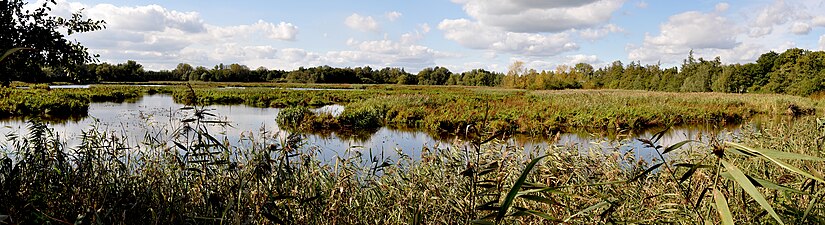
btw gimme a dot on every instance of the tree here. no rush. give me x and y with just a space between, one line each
434 76
41 32
514 73
182 71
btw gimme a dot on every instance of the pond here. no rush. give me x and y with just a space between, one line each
156 114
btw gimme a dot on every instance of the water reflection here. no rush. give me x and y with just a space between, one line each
158 115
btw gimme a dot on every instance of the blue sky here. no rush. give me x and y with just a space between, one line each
459 34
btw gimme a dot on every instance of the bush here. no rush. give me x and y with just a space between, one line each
292 117
362 116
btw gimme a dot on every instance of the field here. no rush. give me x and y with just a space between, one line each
770 174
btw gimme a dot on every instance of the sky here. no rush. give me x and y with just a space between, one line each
459 34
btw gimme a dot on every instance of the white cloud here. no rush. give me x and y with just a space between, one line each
800 28
138 18
822 42
362 23
424 27
160 38
642 4
683 32
381 53
474 35
541 16
776 14
818 21
579 58
392 16
696 30
146 18
598 33
722 6
281 31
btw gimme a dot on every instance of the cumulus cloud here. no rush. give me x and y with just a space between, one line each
598 33
362 23
477 36
696 30
280 31
800 28
822 43
160 38
580 58
392 16
424 27
642 4
722 6
541 16
776 14
404 52
818 21
683 32
147 18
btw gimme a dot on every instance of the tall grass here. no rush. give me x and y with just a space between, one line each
191 176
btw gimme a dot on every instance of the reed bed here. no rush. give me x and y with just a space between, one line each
192 177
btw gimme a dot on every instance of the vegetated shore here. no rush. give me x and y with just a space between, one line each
434 109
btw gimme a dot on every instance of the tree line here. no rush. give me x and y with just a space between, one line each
795 71
132 71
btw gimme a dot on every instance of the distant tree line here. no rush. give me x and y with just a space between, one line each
795 71
131 71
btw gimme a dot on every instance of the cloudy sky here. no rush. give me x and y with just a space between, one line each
457 34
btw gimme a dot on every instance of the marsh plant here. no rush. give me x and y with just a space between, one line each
767 174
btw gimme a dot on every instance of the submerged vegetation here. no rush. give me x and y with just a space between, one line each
189 176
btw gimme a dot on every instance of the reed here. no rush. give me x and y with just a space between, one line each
767 174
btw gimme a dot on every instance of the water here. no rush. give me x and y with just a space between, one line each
159 115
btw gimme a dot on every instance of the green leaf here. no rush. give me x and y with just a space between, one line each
789 155
511 195
536 213
772 158
537 198
722 207
538 190
676 146
748 187
691 171
648 170
766 184
12 51
811 205
588 209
